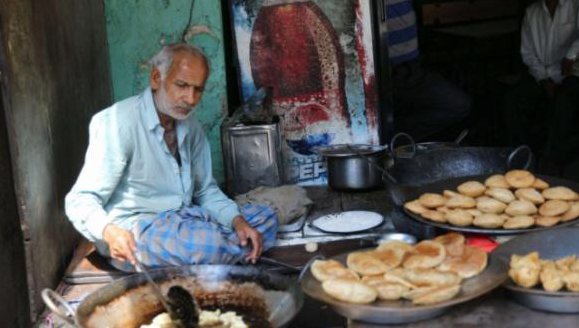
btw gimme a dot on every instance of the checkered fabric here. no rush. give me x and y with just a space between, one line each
190 236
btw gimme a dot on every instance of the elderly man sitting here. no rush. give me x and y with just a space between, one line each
146 189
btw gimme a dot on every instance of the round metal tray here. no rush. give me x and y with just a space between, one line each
402 311
551 244
451 184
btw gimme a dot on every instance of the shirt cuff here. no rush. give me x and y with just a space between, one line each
228 214
96 223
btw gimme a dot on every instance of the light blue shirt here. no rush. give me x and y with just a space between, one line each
129 172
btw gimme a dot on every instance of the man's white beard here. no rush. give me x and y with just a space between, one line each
164 105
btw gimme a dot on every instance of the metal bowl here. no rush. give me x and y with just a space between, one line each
551 244
399 236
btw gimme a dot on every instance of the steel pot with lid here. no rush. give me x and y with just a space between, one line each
354 166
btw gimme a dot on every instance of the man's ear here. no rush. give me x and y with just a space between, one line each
155 79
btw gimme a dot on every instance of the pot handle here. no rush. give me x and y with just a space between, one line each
59 306
514 153
393 144
461 136
308 265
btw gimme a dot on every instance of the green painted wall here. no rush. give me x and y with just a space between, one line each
136 30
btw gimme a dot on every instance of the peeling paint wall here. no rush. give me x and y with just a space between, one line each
136 30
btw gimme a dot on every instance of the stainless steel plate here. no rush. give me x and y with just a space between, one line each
397 312
551 244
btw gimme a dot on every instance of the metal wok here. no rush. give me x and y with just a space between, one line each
264 299
404 194
397 312
442 164
446 163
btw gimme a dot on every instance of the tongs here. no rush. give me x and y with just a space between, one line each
181 305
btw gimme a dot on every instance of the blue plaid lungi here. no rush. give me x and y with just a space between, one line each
190 236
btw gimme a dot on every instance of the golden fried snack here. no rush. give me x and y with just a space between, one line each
520 178
443 209
565 263
472 261
450 194
531 195
366 264
453 243
525 270
488 220
386 290
521 207
547 221
552 278
432 277
575 266
435 216
459 217
330 269
572 213
497 181
427 254
530 260
500 194
397 276
350 290
415 207
396 245
460 201
474 211
431 200
391 257
519 222
560 193
471 188
539 184
553 208
436 295
571 279
417 291
490 205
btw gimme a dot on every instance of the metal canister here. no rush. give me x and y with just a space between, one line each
252 157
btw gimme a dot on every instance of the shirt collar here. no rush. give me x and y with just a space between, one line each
544 4
151 117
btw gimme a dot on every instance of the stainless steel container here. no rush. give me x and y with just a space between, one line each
251 156
348 170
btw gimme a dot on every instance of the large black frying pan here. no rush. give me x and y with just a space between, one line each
276 307
446 163
402 194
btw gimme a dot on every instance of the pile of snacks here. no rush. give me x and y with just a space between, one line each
426 273
516 200
528 270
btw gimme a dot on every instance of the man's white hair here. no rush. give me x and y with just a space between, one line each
164 58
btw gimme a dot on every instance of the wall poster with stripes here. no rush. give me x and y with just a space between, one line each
317 58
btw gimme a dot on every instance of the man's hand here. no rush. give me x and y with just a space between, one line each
244 231
121 243
567 66
549 86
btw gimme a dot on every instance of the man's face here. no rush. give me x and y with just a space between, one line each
182 88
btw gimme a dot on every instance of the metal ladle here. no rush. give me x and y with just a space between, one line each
182 305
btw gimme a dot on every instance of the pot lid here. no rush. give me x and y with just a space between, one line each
348 222
343 150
